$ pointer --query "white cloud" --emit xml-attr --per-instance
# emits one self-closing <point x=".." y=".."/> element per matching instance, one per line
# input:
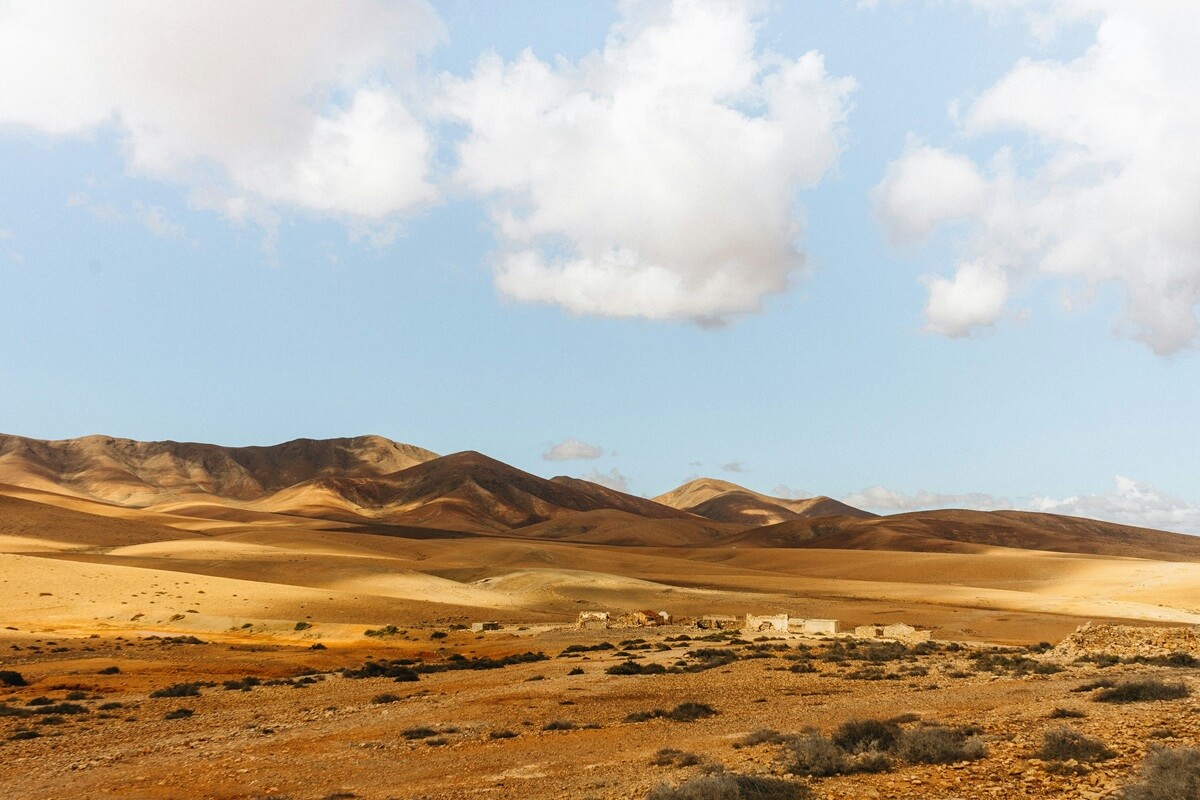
<point x="613" y="479"/>
<point x="155" y="219"/>
<point x="6" y="234"/>
<point x="972" y="299"/>
<point x="788" y="493"/>
<point x="1131" y="503"/>
<point x="882" y="499"/>
<point x="1112" y="196"/>
<point x="926" y="188"/>
<point x="655" y="178"/>
<point x="571" y="449"/>
<point x="734" y="466"/>
<point x="299" y="104"/>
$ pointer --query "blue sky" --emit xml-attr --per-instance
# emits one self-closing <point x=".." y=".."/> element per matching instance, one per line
<point x="935" y="267"/>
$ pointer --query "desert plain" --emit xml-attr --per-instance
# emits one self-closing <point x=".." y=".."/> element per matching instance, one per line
<point x="181" y="620"/>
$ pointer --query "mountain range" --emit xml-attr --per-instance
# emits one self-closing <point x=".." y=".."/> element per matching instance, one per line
<point x="373" y="484"/>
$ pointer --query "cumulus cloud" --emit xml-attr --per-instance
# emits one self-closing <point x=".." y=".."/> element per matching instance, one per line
<point x="1111" y="193"/>
<point x="972" y="299"/>
<point x="613" y="479"/>
<point x="571" y="449"/>
<point x="657" y="177"/>
<point x="734" y="466"/>
<point x="300" y="104"/>
<point x="1130" y="502"/>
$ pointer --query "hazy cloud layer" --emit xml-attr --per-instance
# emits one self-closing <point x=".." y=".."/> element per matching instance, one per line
<point x="734" y="466"/>
<point x="613" y="479"/>
<point x="300" y="103"/>
<point x="655" y="178"/>
<point x="572" y="449"/>
<point x="889" y="501"/>
<point x="1112" y="194"/>
<point x="1129" y="502"/>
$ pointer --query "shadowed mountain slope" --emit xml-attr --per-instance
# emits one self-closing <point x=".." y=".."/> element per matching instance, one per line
<point x="133" y="473"/>
<point x="960" y="531"/>
<point x="723" y="501"/>
<point x="463" y="491"/>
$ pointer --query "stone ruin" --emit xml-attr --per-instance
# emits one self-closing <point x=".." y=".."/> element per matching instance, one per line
<point x="827" y="626"/>
<point x="770" y="622"/>
<point x="485" y="626"/>
<point x="1127" y="641"/>
<point x="897" y="631"/>
<point x="593" y="620"/>
<point x="718" y="622"/>
<point x="644" y="619"/>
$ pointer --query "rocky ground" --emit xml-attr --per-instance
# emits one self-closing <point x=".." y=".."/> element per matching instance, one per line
<point x="87" y="724"/>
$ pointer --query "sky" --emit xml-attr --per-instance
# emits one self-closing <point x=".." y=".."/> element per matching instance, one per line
<point x="906" y="253"/>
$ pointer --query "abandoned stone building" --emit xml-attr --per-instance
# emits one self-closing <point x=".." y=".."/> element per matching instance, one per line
<point x="898" y="631"/>
<point x="593" y="620"/>
<point x="718" y="622"/>
<point x="819" y="626"/>
<point x="777" y="623"/>
<point x="485" y="626"/>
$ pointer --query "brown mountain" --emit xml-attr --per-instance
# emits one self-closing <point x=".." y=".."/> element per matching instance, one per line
<point x="960" y="531"/>
<point x="723" y="501"/>
<point x="464" y="491"/>
<point x="140" y="474"/>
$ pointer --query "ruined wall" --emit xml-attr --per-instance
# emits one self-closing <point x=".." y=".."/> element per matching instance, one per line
<point x="770" y="622"/>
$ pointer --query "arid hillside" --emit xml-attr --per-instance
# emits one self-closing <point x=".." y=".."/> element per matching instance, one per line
<point x="133" y="473"/>
<point x="959" y="531"/>
<point x="723" y="501"/>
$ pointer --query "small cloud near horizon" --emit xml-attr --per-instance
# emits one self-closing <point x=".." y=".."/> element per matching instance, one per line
<point x="1130" y="502"/>
<point x="571" y="450"/>
<point x="734" y="466"/>
<point x="613" y="479"/>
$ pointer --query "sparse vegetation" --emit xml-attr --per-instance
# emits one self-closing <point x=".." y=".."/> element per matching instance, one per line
<point x="937" y="744"/>
<point x="760" y="736"/>
<point x="418" y="733"/>
<point x="1142" y="691"/>
<point x="684" y="712"/>
<point x="559" y="725"/>
<point x="726" y="786"/>
<point x="179" y="713"/>
<point x="1167" y="775"/>
<point x="870" y="746"/>
<point x="302" y="626"/>
<point x="670" y="757"/>
<point x="636" y="668"/>
<point x="1067" y="744"/>
<point x="1067" y="713"/>
<point x="178" y="690"/>
<point x="10" y="677"/>
<point x="381" y="699"/>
